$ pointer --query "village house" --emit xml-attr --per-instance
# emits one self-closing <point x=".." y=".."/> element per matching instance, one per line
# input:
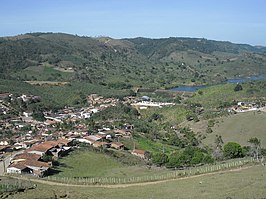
<point x="117" y="145"/>
<point x="101" y="144"/>
<point x="4" y="149"/>
<point x="102" y="136"/>
<point x="4" y="96"/>
<point x="92" y="138"/>
<point x="105" y="134"/>
<point x="25" y="156"/>
<point x="30" y="162"/>
<point x="138" y="152"/>
<point x="4" y="143"/>
<point x="18" y="146"/>
<point x="122" y="133"/>
<point x="128" y="126"/>
<point x="26" y="163"/>
<point x="54" y="148"/>
<point x="85" y="140"/>
<point x="95" y="137"/>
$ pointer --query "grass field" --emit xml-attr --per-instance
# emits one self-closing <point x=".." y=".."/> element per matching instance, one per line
<point x="43" y="73"/>
<point x="172" y="115"/>
<point x="154" y="147"/>
<point x="214" y="96"/>
<point x="242" y="184"/>
<point x="239" y="128"/>
<point x="92" y="164"/>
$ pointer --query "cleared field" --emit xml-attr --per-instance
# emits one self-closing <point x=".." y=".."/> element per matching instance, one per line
<point x="244" y="184"/>
<point x="43" y="73"/>
<point x="52" y="83"/>
<point x="240" y="127"/>
<point x="92" y="164"/>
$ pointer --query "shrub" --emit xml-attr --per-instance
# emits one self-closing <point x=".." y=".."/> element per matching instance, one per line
<point x="233" y="150"/>
<point x="159" y="159"/>
<point x="238" y="87"/>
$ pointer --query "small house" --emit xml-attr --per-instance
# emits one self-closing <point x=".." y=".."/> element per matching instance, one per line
<point x="101" y="144"/>
<point x="117" y="145"/>
<point x="139" y="153"/>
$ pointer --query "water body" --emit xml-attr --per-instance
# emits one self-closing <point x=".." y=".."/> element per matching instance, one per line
<point x="246" y="79"/>
<point x="230" y="81"/>
<point x="187" y="88"/>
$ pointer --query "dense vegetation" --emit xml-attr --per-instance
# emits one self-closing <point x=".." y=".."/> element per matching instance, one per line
<point x="121" y="64"/>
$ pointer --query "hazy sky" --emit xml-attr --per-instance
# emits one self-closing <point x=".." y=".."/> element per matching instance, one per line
<point x="240" y="21"/>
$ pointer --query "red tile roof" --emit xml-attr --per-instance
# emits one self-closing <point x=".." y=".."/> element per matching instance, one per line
<point x="34" y="163"/>
<point x="138" y="151"/>
<point x="117" y="144"/>
<point x="45" y="146"/>
<point x="20" y="165"/>
<point x="24" y="156"/>
<point x="29" y="163"/>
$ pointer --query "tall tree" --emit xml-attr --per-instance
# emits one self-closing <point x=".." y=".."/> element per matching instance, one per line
<point x="255" y="148"/>
<point x="218" y="147"/>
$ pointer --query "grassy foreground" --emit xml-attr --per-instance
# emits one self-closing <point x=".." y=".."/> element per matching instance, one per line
<point x="245" y="184"/>
<point x="240" y="128"/>
<point x="92" y="164"/>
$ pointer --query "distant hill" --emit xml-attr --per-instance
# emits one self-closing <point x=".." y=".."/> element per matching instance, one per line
<point x="124" y="63"/>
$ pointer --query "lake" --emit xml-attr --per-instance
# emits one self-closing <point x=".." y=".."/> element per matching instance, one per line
<point x="229" y="81"/>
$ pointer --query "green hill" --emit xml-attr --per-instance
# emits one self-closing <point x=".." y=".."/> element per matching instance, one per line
<point x="121" y="64"/>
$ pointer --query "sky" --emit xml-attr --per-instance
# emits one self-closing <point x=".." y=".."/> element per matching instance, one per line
<point x="238" y="21"/>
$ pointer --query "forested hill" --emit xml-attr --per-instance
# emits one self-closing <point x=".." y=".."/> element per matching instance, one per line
<point x="166" y="46"/>
<point x="126" y="62"/>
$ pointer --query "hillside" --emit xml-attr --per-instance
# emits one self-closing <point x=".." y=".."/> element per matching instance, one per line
<point x="121" y="64"/>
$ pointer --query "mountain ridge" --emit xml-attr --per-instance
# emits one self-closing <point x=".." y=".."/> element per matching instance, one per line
<point x="159" y="63"/>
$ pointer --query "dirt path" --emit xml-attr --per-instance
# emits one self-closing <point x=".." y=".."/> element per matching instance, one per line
<point x="131" y="184"/>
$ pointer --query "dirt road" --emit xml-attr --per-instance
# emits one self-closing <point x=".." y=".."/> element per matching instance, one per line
<point x="131" y="184"/>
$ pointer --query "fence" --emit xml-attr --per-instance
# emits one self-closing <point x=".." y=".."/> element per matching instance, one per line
<point x="170" y="175"/>
<point x="15" y="186"/>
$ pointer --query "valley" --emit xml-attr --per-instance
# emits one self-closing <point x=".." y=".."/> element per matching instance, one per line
<point x="101" y="111"/>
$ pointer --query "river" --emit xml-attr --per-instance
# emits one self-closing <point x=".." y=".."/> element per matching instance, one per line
<point x="229" y="81"/>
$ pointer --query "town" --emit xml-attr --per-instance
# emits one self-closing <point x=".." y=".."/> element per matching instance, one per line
<point x="29" y="146"/>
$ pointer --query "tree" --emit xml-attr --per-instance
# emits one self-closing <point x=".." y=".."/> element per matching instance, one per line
<point x="200" y="92"/>
<point x="47" y="158"/>
<point x="197" y="158"/>
<point x="38" y="115"/>
<point x="233" y="150"/>
<point x="148" y="155"/>
<point x="209" y="130"/>
<point x="159" y="159"/>
<point x="218" y="148"/>
<point x="255" y="148"/>
<point x="175" y="160"/>
<point x="238" y="87"/>
<point x="176" y="141"/>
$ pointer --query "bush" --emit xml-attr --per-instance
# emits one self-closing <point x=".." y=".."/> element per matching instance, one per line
<point x="159" y="159"/>
<point x="211" y="123"/>
<point x="233" y="150"/>
<point x="238" y="87"/>
<point x="189" y="157"/>
<point x="209" y="130"/>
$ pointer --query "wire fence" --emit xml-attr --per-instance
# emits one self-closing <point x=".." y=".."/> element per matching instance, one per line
<point x="166" y="176"/>
<point x="16" y="186"/>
